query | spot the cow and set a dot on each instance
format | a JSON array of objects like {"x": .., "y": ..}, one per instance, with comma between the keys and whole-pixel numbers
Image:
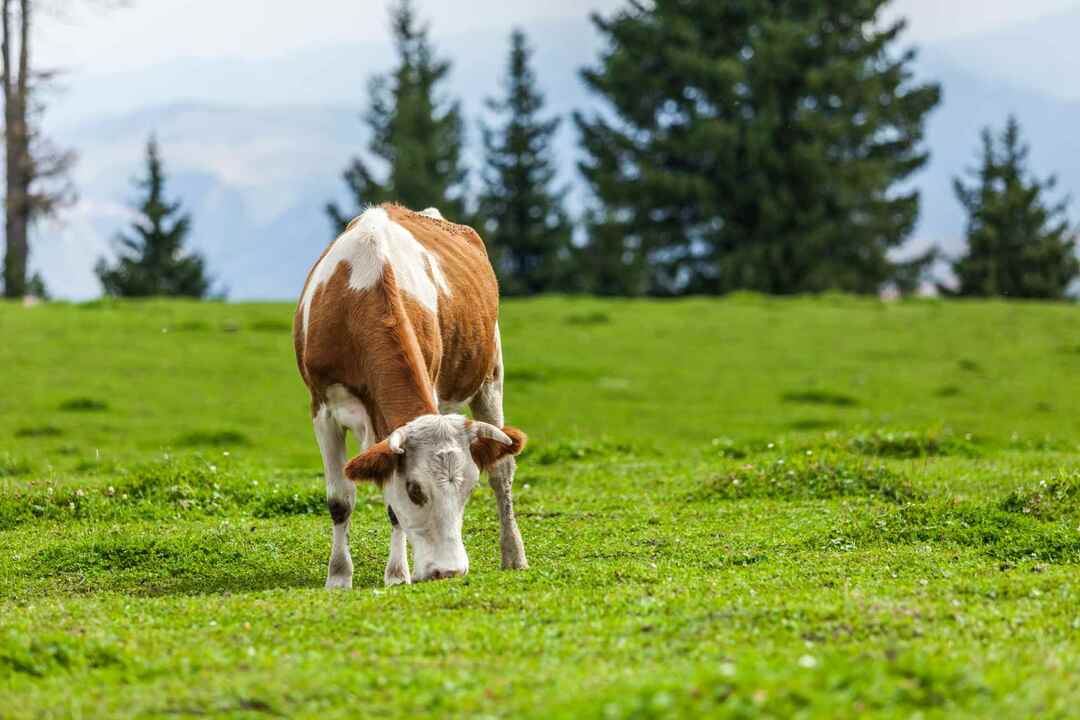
[{"x": 396, "y": 331}]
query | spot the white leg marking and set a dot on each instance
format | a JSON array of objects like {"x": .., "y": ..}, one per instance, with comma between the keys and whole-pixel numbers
[
  {"x": 397, "y": 568},
  {"x": 340, "y": 497},
  {"x": 488, "y": 407}
]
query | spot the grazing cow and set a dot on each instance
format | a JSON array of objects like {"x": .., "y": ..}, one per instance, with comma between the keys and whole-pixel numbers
[{"x": 398, "y": 322}]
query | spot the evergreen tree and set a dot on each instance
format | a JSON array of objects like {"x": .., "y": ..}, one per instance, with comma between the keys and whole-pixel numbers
[
  {"x": 417, "y": 134},
  {"x": 527, "y": 228},
  {"x": 1018, "y": 245},
  {"x": 152, "y": 260},
  {"x": 752, "y": 144}
]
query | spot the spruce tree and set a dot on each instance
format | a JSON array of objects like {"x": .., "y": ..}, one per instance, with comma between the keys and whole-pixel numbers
[
  {"x": 152, "y": 260},
  {"x": 527, "y": 228},
  {"x": 752, "y": 144},
  {"x": 415, "y": 132},
  {"x": 1018, "y": 245}
]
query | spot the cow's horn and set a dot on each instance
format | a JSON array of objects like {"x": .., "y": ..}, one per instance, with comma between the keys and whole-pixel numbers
[
  {"x": 397, "y": 441},
  {"x": 486, "y": 430}
]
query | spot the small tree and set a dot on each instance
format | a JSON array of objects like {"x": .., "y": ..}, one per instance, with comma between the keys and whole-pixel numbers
[
  {"x": 152, "y": 259},
  {"x": 526, "y": 224},
  {"x": 1017, "y": 244},
  {"x": 417, "y": 134}
]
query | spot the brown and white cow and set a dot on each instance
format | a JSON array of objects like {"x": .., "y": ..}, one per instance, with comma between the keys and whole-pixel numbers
[{"x": 398, "y": 322}]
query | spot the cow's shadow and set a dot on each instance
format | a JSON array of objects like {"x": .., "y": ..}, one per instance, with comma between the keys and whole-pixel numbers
[{"x": 232, "y": 584}]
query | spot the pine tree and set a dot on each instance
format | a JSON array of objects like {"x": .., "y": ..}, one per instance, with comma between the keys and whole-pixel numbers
[
  {"x": 417, "y": 134},
  {"x": 527, "y": 227},
  {"x": 1017, "y": 244},
  {"x": 752, "y": 144},
  {"x": 152, "y": 260}
]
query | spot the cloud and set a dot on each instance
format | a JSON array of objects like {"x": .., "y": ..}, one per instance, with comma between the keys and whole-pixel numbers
[{"x": 165, "y": 30}]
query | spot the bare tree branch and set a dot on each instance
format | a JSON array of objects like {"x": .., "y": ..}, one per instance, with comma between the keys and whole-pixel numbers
[{"x": 37, "y": 174}]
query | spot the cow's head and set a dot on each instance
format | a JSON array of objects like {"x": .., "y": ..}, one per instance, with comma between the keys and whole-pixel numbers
[{"x": 427, "y": 470}]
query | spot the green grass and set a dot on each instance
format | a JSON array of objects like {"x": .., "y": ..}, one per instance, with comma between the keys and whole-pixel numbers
[{"x": 752, "y": 507}]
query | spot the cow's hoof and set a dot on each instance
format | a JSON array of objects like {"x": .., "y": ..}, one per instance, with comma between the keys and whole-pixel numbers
[
  {"x": 396, "y": 573},
  {"x": 515, "y": 564},
  {"x": 339, "y": 582},
  {"x": 395, "y": 579}
]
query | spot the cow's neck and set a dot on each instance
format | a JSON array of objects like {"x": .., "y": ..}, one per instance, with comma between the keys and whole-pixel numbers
[
  {"x": 394, "y": 406},
  {"x": 401, "y": 390}
]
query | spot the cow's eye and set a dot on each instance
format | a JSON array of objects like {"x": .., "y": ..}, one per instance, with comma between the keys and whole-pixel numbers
[{"x": 415, "y": 492}]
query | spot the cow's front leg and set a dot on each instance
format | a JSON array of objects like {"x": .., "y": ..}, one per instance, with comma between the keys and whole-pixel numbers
[
  {"x": 501, "y": 480},
  {"x": 397, "y": 567},
  {"x": 340, "y": 497},
  {"x": 487, "y": 406}
]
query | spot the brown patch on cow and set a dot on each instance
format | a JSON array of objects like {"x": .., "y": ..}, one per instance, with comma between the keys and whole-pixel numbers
[
  {"x": 376, "y": 464},
  {"x": 486, "y": 452},
  {"x": 298, "y": 325}
]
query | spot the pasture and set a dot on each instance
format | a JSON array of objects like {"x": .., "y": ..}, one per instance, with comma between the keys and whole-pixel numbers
[{"x": 747, "y": 507}]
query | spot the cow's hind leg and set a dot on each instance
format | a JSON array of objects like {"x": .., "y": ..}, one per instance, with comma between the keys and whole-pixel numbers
[
  {"x": 487, "y": 406},
  {"x": 340, "y": 496}
]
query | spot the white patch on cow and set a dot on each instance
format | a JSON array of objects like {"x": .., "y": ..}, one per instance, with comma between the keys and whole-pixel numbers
[
  {"x": 371, "y": 241},
  {"x": 411, "y": 262},
  {"x": 433, "y": 212},
  {"x": 350, "y": 413}
]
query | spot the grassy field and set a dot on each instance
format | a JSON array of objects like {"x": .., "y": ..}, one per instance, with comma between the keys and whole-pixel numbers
[{"x": 742, "y": 508}]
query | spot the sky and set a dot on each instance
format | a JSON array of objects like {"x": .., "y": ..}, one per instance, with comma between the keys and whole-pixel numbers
[
  {"x": 123, "y": 39},
  {"x": 937, "y": 20},
  {"x": 128, "y": 38}
]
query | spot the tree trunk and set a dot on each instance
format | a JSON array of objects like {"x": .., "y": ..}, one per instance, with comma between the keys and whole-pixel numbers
[{"x": 17, "y": 152}]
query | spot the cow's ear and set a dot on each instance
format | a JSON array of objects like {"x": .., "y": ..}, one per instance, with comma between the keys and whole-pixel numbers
[
  {"x": 375, "y": 464},
  {"x": 490, "y": 447}
]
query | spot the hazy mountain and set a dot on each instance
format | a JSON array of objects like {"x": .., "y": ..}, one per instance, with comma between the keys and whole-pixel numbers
[{"x": 258, "y": 149}]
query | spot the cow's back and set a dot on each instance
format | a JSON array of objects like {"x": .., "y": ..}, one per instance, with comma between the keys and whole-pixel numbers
[{"x": 468, "y": 312}]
